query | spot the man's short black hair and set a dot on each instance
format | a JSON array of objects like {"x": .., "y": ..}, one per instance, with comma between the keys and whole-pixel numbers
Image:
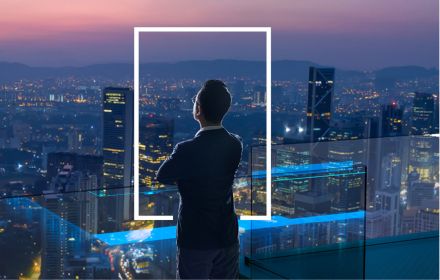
[{"x": 215, "y": 100}]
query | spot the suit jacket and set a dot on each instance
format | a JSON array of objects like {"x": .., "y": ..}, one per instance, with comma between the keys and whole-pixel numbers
[{"x": 204, "y": 169}]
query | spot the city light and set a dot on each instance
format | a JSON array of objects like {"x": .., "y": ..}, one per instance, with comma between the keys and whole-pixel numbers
[{"x": 339, "y": 170}]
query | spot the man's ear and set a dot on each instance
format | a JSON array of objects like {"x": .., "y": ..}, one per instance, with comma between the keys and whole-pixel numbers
[{"x": 198, "y": 110}]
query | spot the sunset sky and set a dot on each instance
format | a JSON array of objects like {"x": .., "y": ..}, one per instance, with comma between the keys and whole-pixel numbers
[{"x": 350, "y": 34}]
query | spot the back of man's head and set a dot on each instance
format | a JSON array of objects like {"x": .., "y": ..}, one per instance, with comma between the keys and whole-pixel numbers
[{"x": 215, "y": 100}]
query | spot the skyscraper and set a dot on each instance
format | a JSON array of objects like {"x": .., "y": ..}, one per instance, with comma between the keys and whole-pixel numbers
[
  {"x": 155, "y": 145},
  {"x": 388, "y": 201},
  {"x": 118, "y": 147},
  {"x": 319, "y": 105},
  {"x": 422, "y": 114},
  {"x": 422, "y": 157},
  {"x": 118, "y": 136},
  {"x": 75, "y": 141},
  {"x": 69, "y": 221},
  {"x": 53, "y": 243},
  {"x": 391, "y": 170},
  {"x": 391, "y": 124},
  {"x": 348, "y": 191}
]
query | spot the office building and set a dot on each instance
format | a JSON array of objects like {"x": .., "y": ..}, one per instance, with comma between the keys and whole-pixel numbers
[
  {"x": 62, "y": 217},
  {"x": 118, "y": 149},
  {"x": 391, "y": 170},
  {"x": 419, "y": 192},
  {"x": 391, "y": 123},
  {"x": 422, "y": 157},
  {"x": 319, "y": 104},
  {"x": 389, "y": 201},
  {"x": 155, "y": 145},
  {"x": 118, "y": 137},
  {"x": 422, "y": 114},
  {"x": 427, "y": 219}
]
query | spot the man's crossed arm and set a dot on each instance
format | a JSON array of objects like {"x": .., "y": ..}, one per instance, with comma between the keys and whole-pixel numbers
[{"x": 170, "y": 170}]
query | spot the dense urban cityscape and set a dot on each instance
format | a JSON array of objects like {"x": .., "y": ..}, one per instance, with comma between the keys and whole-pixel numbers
[{"x": 359, "y": 145}]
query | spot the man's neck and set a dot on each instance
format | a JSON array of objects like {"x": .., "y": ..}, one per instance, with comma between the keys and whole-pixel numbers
[{"x": 202, "y": 125}]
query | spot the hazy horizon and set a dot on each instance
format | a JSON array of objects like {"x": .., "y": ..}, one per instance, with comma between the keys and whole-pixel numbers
[
  {"x": 206, "y": 60},
  {"x": 347, "y": 34}
]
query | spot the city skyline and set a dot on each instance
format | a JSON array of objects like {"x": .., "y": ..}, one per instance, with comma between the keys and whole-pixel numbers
[
  {"x": 354, "y": 166},
  {"x": 357, "y": 184}
]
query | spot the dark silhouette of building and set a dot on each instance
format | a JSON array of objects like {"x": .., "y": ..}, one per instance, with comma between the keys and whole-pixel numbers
[
  {"x": 87, "y": 164},
  {"x": 312, "y": 203},
  {"x": 391, "y": 123},
  {"x": 436, "y": 114},
  {"x": 419, "y": 191},
  {"x": 319, "y": 105},
  {"x": 422, "y": 114}
]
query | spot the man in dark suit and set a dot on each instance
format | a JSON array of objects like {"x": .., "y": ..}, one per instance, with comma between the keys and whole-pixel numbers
[{"x": 203, "y": 169}]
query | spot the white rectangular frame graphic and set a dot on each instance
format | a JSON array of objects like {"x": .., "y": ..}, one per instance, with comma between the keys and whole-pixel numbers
[{"x": 267, "y": 31}]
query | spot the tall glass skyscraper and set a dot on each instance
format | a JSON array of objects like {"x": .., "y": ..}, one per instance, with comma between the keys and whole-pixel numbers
[
  {"x": 319, "y": 105},
  {"x": 422, "y": 114},
  {"x": 118, "y": 146}
]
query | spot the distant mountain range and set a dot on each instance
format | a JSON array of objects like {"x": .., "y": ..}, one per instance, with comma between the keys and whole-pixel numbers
[{"x": 200, "y": 69}]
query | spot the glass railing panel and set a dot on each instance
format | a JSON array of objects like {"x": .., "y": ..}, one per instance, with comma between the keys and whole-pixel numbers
[
  {"x": 92, "y": 233},
  {"x": 399, "y": 197},
  {"x": 95, "y": 227},
  {"x": 318, "y": 205},
  {"x": 402, "y": 180}
]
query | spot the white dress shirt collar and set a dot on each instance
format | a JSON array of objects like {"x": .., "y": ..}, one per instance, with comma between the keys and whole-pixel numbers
[{"x": 209, "y": 127}]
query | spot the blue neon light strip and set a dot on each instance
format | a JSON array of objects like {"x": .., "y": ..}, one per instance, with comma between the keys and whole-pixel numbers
[
  {"x": 164, "y": 233},
  {"x": 306, "y": 169},
  {"x": 317, "y": 176},
  {"x": 99, "y": 194}
]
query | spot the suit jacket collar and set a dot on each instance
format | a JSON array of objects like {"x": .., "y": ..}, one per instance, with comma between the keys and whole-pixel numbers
[{"x": 209, "y": 129}]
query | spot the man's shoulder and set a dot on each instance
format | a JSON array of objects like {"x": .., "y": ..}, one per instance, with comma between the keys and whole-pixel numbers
[
  {"x": 236, "y": 138},
  {"x": 184, "y": 144}
]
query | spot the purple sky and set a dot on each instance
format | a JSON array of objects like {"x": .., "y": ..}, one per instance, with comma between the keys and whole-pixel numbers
[{"x": 350, "y": 34}]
